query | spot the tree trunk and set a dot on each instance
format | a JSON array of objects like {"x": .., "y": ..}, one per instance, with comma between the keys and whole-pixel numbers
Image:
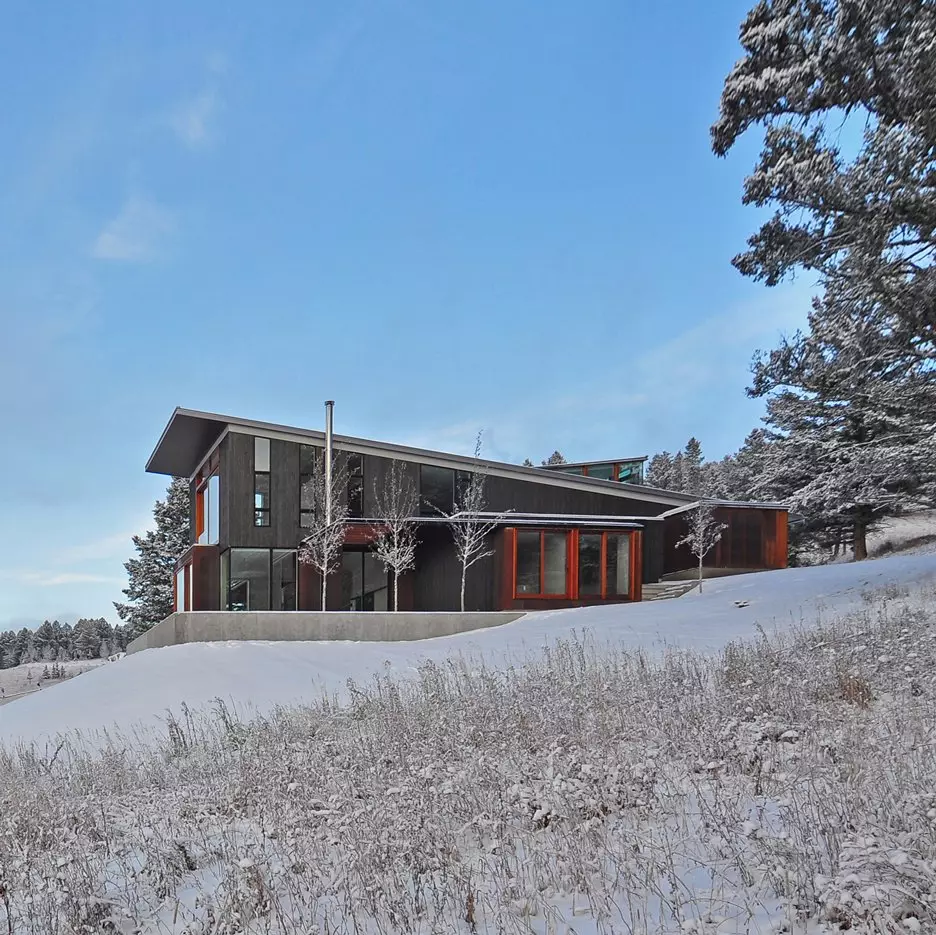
[
  {"x": 464, "y": 574},
  {"x": 700, "y": 574},
  {"x": 396, "y": 590},
  {"x": 860, "y": 540},
  {"x": 324, "y": 590}
]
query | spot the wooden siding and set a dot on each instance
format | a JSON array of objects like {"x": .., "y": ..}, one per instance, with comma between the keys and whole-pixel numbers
[
  {"x": 437, "y": 581},
  {"x": 755, "y": 539}
]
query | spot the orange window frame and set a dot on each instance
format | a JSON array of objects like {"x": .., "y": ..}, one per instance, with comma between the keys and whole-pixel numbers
[
  {"x": 635, "y": 564},
  {"x": 544, "y": 595}
]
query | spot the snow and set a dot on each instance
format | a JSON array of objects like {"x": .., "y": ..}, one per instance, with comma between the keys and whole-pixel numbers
[{"x": 141, "y": 689}]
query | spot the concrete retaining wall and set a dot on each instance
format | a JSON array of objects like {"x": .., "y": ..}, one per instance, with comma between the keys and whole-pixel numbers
[{"x": 209, "y": 626}]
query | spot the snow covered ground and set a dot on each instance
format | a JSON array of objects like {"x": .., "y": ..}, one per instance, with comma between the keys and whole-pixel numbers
[
  {"x": 915, "y": 532},
  {"x": 27, "y": 678},
  {"x": 256, "y": 676}
]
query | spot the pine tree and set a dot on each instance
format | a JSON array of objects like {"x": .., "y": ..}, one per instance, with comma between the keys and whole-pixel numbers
[
  {"x": 660, "y": 471},
  {"x": 852, "y": 420},
  {"x": 692, "y": 468},
  {"x": 87, "y": 641},
  {"x": 528, "y": 463},
  {"x": 555, "y": 458},
  {"x": 864, "y": 219},
  {"x": 152, "y": 572}
]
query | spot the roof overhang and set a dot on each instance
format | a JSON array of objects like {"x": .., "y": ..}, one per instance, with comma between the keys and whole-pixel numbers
[
  {"x": 728, "y": 504},
  {"x": 190, "y": 436}
]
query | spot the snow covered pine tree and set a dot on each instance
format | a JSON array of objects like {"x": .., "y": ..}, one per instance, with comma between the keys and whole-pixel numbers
[{"x": 152, "y": 572}]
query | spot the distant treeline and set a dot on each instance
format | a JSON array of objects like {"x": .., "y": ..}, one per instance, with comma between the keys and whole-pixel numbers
[{"x": 58, "y": 642}]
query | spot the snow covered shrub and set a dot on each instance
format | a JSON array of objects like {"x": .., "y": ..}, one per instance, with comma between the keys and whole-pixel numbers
[{"x": 586, "y": 789}]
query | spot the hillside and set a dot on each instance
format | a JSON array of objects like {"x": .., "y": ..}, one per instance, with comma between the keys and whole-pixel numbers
[
  {"x": 254, "y": 677},
  {"x": 785, "y": 786}
]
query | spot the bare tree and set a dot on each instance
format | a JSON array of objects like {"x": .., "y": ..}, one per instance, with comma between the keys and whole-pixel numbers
[
  {"x": 470, "y": 524},
  {"x": 397, "y": 503},
  {"x": 704, "y": 532},
  {"x": 321, "y": 548}
]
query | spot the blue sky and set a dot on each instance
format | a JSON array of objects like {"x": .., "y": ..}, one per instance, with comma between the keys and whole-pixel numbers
[{"x": 444, "y": 216}]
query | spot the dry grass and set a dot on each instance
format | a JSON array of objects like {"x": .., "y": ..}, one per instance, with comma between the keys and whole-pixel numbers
[{"x": 788, "y": 782}]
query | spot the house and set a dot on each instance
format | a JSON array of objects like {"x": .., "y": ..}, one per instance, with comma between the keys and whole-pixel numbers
[{"x": 567, "y": 539}]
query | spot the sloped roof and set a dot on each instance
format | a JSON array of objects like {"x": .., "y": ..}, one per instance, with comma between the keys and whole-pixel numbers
[{"x": 191, "y": 434}]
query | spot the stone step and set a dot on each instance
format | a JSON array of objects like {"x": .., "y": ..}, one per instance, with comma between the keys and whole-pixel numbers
[{"x": 664, "y": 590}]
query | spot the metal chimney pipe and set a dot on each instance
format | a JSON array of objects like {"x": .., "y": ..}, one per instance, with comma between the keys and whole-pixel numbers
[{"x": 329, "y": 444}]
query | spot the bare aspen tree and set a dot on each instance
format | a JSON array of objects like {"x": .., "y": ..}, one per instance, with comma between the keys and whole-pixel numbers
[
  {"x": 704, "y": 532},
  {"x": 321, "y": 548},
  {"x": 397, "y": 503},
  {"x": 470, "y": 529}
]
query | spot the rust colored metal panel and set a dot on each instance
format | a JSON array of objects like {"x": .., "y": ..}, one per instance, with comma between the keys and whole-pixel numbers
[
  {"x": 781, "y": 544},
  {"x": 206, "y": 577},
  {"x": 636, "y": 551}
]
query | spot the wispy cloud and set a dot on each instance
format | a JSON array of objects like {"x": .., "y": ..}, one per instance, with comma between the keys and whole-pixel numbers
[
  {"x": 194, "y": 120},
  {"x": 137, "y": 234}
]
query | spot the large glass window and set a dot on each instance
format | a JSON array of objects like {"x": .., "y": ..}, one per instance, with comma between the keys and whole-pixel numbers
[
  {"x": 259, "y": 579},
  {"x": 364, "y": 582},
  {"x": 261, "y": 482},
  {"x": 542, "y": 567},
  {"x": 283, "y": 580},
  {"x": 355, "y": 485},
  {"x": 308, "y": 465},
  {"x": 528, "y": 561},
  {"x": 601, "y": 471},
  {"x": 542, "y": 562},
  {"x": 208, "y": 507},
  {"x": 436, "y": 490},
  {"x": 441, "y": 489},
  {"x": 589, "y": 564}
]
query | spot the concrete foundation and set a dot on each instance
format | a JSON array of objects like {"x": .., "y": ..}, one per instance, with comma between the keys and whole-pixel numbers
[{"x": 210, "y": 626}]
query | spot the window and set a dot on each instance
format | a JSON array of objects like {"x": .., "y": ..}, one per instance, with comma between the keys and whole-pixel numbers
[
  {"x": 542, "y": 563},
  {"x": 600, "y": 565},
  {"x": 355, "y": 465},
  {"x": 208, "y": 503},
  {"x": 441, "y": 489},
  {"x": 261, "y": 482},
  {"x": 363, "y": 582},
  {"x": 601, "y": 471},
  {"x": 283, "y": 580},
  {"x": 308, "y": 465},
  {"x": 258, "y": 579},
  {"x": 589, "y": 564}
]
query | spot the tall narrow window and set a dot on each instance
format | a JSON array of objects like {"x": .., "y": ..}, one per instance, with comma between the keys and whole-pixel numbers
[
  {"x": 617, "y": 575},
  {"x": 308, "y": 464},
  {"x": 589, "y": 564},
  {"x": 261, "y": 482},
  {"x": 355, "y": 485}
]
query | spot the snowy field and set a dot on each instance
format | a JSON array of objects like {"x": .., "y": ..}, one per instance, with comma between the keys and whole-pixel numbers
[
  {"x": 255, "y": 676},
  {"x": 915, "y": 532},
  {"x": 27, "y": 678},
  {"x": 783, "y": 785}
]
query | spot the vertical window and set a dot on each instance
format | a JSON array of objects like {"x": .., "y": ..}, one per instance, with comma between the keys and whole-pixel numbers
[
  {"x": 617, "y": 575},
  {"x": 308, "y": 465},
  {"x": 589, "y": 564},
  {"x": 180, "y": 589},
  {"x": 283, "y": 580},
  {"x": 528, "y": 562},
  {"x": 436, "y": 490},
  {"x": 364, "y": 582},
  {"x": 213, "y": 500},
  {"x": 247, "y": 572},
  {"x": 261, "y": 482},
  {"x": 542, "y": 563},
  {"x": 355, "y": 485}
]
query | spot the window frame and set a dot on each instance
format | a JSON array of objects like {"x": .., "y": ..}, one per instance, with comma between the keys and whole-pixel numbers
[
  {"x": 541, "y": 594},
  {"x": 460, "y": 483},
  {"x": 573, "y": 538},
  {"x": 225, "y": 578},
  {"x": 307, "y": 516},
  {"x": 263, "y": 515}
]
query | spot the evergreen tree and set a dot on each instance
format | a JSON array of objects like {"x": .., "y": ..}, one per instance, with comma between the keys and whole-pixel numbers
[
  {"x": 87, "y": 640},
  {"x": 851, "y": 419},
  {"x": 152, "y": 571},
  {"x": 862, "y": 219},
  {"x": 528, "y": 463},
  {"x": 660, "y": 471},
  {"x": 555, "y": 458},
  {"x": 692, "y": 468}
]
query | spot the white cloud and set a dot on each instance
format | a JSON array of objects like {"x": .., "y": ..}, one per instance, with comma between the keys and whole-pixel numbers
[
  {"x": 137, "y": 234},
  {"x": 194, "y": 121}
]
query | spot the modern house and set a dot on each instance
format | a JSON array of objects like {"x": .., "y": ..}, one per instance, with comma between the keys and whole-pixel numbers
[{"x": 566, "y": 539}]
